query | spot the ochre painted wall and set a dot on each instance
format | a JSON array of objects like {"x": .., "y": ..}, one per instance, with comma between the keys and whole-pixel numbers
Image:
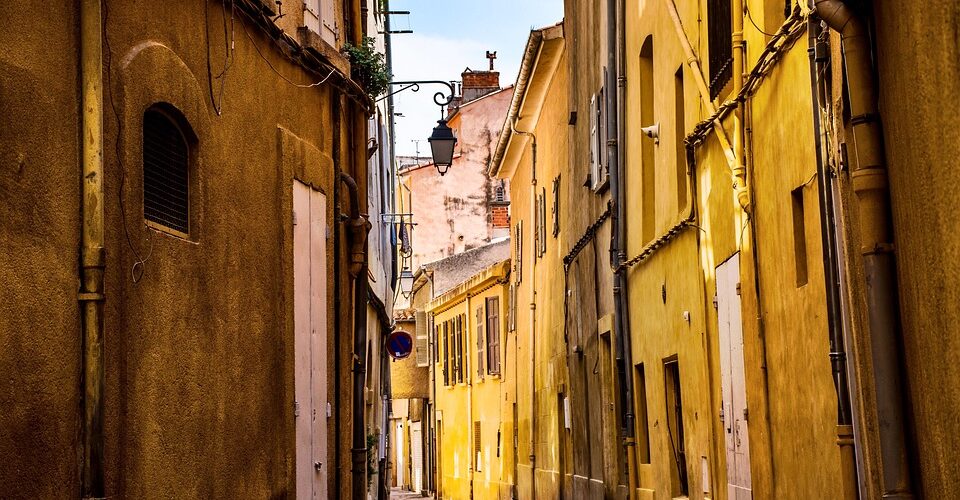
[
  {"x": 487, "y": 400},
  {"x": 199, "y": 365}
]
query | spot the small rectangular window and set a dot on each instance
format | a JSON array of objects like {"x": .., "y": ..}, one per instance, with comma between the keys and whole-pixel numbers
[
  {"x": 643, "y": 428},
  {"x": 166, "y": 178},
  {"x": 674, "y": 420},
  {"x": 720, "y": 34},
  {"x": 598, "y": 165},
  {"x": 680, "y": 134},
  {"x": 799, "y": 236}
]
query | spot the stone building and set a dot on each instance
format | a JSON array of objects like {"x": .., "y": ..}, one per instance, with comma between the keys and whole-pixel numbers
[{"x": 185, "y": 300}]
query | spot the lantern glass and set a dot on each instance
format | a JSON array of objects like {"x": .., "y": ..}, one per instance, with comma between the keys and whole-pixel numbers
[
  {"x": 442, "y": 143},
  {"x": 406, "y": 282}
]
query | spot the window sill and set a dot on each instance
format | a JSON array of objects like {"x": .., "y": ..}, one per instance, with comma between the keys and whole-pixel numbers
[{"x": 314, "y": 43}]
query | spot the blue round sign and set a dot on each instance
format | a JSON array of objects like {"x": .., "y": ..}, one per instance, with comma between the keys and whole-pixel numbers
[{"x": 399, "y": 344}]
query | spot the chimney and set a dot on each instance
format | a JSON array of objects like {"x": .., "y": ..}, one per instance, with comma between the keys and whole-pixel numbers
[{"x": 477, "y": 84}]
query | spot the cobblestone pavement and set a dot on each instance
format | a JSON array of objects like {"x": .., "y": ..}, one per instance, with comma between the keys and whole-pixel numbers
[{"x": 396, "y": 493}]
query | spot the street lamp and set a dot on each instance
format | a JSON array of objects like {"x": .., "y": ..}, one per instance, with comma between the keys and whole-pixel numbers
[
  {"x": 442, "y": 142},
  {"x": 406, "y": 282}
]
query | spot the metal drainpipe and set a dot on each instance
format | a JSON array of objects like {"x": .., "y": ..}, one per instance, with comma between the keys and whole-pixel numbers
[
  {"x": 473, "y": 456},
  {"x": 831, "y": 272},
  {"x": 92, "y": 251},
  {"x": 739, "y": 52},
  {"x": 870, "y": 185},
  {"x": 533, "y": 311},
  {"x": 615, "y": 103},
  {"x": 358, "y": 226}
]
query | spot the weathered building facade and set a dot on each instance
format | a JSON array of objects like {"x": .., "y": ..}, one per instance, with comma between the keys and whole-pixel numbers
[
  {"x": 474, "y": 388},
  {"x": 463, "y": 208},
  {"x": 202, "y": 157}
]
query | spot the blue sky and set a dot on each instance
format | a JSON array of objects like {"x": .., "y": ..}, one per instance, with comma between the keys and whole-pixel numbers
[{"x": 449, "y": 36}]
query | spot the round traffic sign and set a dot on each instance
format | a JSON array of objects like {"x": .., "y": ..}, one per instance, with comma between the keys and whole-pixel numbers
[{"x": 399, "y": 344}]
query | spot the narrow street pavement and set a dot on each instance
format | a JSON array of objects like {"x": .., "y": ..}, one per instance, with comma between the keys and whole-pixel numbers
[{"x": 396, "y": 493}]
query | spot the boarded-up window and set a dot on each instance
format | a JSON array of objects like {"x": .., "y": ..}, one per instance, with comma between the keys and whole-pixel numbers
[
  {"x": 493, "y": 335},
  {"x": 480, "y": 342},
  {"x": 166, "y": 180},
  {"x": 422, "y": 341}
]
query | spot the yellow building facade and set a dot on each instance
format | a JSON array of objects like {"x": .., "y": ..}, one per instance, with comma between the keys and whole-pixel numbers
[{"x": 475, "y": 387}]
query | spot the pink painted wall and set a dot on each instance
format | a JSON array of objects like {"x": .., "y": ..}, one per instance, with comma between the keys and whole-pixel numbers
[{"x": 453, "y": 213}]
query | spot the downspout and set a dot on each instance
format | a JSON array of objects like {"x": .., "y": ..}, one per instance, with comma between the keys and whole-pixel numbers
[
  {"x": 838, "y": 359},
  {"x": 616, "y": 78},
  {"x": 533, "y": 311},
  {"x": 733, "y": 161},
  {"x": 870, "y": 185},
  {"x": 357, "y": 226},
  {"x": 739, "y": 52},
  {"x": 92, "y": 251}
]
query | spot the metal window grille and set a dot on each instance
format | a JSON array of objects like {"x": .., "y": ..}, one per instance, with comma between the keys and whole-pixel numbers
[
  {"x": 720, "y": 32},
  {"x": 166, "y": 179}
]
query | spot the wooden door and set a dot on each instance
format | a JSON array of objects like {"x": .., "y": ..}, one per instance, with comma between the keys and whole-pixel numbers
[
  {"x": 310, "y": 340},
  {"x": 416, "y": 456},
  {"x": 733, "y": 385}
]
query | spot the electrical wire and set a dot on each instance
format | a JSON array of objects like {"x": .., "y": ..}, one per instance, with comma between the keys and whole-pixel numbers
[
  {"x": 746, "y": 9},
  {"x": 137, "y": 269},
  {"x": 284, "y": 78}
]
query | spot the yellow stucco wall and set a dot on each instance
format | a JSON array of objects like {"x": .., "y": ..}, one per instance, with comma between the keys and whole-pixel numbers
[{"x": 487, "y": 399}]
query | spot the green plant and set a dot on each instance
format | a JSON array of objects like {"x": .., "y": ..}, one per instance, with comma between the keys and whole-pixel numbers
[
  {"x": 369, "y": 67},
  {"x": 372, "y": 441}
]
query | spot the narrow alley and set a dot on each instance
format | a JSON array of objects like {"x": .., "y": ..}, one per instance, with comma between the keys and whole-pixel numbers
[{"x": 404, "y": 249}]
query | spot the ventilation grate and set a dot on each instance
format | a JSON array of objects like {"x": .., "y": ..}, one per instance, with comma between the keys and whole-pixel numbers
[{"x": 165, "y": 175}]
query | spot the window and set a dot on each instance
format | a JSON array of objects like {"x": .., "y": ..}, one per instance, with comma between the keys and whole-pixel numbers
[
  {"x": 166, "y": 176},
  {"x": 518, "y": 252},
  {"x": 721, "y": 48},
  {"x": 643, "y": 428},
  {"x": 648, "y": 170},
  {"x": 500, "y": 193},
  {"x": 555, "y": 211},
  {"x": 680, "y": 134},
  {"x": 493, "y": 335},
  {"x": 460, "y": 320},
  {"x": 598, "y": 167},
  {"x": 319, "y": 16},
  {"x": 477, "y": 447},
  {"x": 512, "y": 309},
  {"x": 678, "y": 472},
  {"x": 539, "y": 229},
  {"x": 799, "y": 236},
  {"x": 446, "y": 351},
  {"x": 422, "y": 340},
  {"x": 480, "y": 342}
]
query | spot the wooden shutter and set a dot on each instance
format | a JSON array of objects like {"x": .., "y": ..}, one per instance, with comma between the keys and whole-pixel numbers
[
  {"x": 594, "y": 142},
  {"x": 480, "y": 342},
  {"x": 329, "y": 27},
  {"x": 446, "y": 354},
  {"x": 422, "y": 341},
  {"x": 493, "y": 335},
  {"x": 518, "y": 251}
]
